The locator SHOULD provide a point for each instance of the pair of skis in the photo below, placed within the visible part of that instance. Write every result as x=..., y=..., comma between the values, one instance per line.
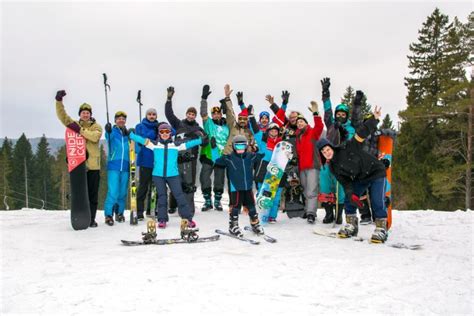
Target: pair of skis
x=398, y=245
x=252, y=241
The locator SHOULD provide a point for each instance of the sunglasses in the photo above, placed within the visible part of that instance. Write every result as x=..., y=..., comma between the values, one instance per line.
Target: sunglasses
x=164, y=131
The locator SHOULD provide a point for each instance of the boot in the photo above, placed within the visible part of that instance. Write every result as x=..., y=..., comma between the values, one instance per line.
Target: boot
x=256, y=227
x=329, y=218
x=234, y=228
x=340, y=209
x=310, y=218
x=109, y=220
x=119, y=218
x=351, y=228
x=380, y=234
x=207, y=200
x=217, y=200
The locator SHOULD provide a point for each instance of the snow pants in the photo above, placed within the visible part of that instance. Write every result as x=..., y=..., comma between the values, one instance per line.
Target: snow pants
x=309, y=179
x=187, y=174
x=93, y=180
x=117, y=186
x=176, y=189
x=376, y=189
x=206, y=181
x=145, y=178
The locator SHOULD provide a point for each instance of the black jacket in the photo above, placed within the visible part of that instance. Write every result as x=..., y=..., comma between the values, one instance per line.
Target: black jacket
x=351, y=163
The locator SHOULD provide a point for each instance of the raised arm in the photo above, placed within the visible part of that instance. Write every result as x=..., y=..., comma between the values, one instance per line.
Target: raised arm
x=203, y=111
x=230, y=114
x=60, y=111
x=170, y=116
x=328, y=115
x=318, y=122
x=356, y=113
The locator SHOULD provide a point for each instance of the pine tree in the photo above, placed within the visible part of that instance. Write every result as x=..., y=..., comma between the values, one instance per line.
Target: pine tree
x=348, y=97
x=61, y=176
x=21, y=183
x=436, y=90
x=387, y=123
x=43, y=187
x=5, y=167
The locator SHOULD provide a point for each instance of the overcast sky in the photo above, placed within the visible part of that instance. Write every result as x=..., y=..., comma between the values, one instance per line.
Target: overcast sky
x=257, y=47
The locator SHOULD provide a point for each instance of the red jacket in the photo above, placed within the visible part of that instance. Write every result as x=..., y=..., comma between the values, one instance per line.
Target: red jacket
x=305, y=144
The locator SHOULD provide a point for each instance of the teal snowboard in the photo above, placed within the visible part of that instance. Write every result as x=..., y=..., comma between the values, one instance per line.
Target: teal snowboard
x=275, y=169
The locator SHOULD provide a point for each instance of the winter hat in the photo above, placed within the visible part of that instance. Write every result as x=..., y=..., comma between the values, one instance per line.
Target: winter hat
x=164, y=126
x=273, y=126
x=85, y=107
x=320, y=144
x=244, y=113
x=151, y=110
x=342, y=107
x=120, y=114
x=191, y=109
x=301, y=117
x=264, y=113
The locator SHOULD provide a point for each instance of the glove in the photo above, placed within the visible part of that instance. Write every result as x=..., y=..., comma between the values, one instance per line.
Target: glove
x=60, y=95
x=213, y=142
x=205, y=92
x=285, y=96
x=314, y=108
x=356, y=201
x=250, y=110
x=170, y=91
x=240, y=97
x=358, y=97
x=204, y=140
x=325, y=83
x=108, y=128
x=223, y=106
x=386, y=162
x=75, y=127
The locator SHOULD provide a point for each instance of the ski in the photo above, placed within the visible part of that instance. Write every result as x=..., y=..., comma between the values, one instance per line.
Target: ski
x=253, y=242
x=169, y=241
x=133, y=186
x=265, y=236
x=398, y=245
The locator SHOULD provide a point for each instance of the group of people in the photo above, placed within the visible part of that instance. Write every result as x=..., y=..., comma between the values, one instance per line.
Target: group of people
x=337, y=171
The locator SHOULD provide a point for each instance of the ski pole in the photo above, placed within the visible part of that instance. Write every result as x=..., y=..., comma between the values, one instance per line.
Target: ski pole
x=337, y=205
x=106, y=85
x=139, y=100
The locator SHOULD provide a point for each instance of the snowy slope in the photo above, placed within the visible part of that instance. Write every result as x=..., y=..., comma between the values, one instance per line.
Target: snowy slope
x=47, y=268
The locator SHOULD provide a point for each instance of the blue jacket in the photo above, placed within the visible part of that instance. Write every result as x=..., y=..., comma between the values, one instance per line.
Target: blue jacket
x=166, y=154
x=239, y=169
x=119, y=153
x=145, y=129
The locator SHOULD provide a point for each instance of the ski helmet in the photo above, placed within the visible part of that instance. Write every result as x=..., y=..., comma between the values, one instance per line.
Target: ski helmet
x=239, y=142
x=273, y=126
x=342, y=107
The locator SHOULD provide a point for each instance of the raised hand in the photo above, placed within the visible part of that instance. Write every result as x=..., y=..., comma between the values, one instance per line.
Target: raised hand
x=240, y=97
x=60, y=95
x=325, y=84
x=227, y=90
x=314, y=107
x=377, y=112
x=269, y=99
x=170, y=94
x=205, y=92
x=358, y=97
x=285, y=96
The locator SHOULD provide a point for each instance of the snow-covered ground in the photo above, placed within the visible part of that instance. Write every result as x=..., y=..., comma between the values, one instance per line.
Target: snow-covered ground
x=47, y=268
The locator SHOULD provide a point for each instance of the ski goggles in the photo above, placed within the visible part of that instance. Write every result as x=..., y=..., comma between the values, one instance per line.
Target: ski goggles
x=164, y=131
x=240, y=146
x=216, y=109
x=121, y=114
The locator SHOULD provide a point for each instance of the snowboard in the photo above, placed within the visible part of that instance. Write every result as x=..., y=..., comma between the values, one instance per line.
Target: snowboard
x=170, y=241
x=253, y=242
x=385, y=147
x=133, y=185
x=282, y=153
x=76, y=162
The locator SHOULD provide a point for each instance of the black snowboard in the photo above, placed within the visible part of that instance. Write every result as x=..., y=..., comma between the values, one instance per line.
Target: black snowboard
x=79, y=197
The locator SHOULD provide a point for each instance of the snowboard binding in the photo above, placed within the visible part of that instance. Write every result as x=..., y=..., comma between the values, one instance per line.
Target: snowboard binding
x=188, y=233
x=150, y=236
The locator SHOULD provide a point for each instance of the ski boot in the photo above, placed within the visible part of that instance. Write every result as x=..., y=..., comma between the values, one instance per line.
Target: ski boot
x=380, y=234
x=172, y=210
x=93, y=224
x=119, y=218
x=329, y=218
x=109, y=220
x=340, y=208
x=188, y=233
x=310, y=218
x=234, y=228
x=217, y=201
x=256, y=227
x=140, y=216
x=351, y=228
x=207, y=200
x=150, y=236
x=272, y=220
